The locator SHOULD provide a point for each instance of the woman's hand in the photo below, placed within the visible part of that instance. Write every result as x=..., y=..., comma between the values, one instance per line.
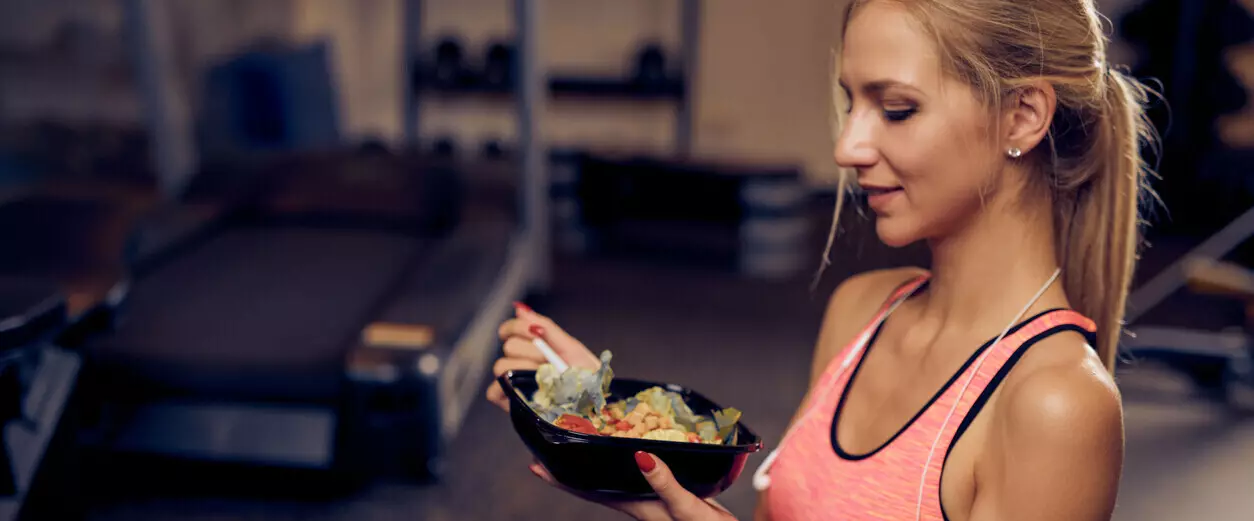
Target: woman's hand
x=673, y=503
x=521, y=354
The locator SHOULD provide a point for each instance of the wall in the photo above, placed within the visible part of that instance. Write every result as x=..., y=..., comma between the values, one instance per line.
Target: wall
x=761, y=87
x=762, y=90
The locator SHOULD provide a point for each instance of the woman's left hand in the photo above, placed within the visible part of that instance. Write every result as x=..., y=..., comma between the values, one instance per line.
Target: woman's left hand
x=673, y=503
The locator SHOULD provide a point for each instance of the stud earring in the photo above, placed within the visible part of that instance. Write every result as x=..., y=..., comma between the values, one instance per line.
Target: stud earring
x=1014, y=152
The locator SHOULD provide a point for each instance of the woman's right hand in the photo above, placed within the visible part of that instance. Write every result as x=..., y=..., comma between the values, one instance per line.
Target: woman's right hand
x=521, y=354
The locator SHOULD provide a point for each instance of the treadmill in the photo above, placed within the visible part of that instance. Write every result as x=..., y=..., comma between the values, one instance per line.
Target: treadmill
x=37, y=380
x=271, y=338
x=302, y=329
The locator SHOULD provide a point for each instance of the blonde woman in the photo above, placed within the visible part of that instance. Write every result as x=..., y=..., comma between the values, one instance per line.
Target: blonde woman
x=980, y=390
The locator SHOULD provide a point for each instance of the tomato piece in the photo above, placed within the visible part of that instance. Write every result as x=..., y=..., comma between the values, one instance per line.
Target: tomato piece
x=622, y=425
x=571, y=422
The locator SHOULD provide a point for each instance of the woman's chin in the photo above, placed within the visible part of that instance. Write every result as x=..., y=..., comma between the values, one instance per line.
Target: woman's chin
x=893, y=234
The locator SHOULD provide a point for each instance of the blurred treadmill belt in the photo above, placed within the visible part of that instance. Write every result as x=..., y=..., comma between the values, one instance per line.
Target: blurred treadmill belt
x=452, y=282
x=258, y=313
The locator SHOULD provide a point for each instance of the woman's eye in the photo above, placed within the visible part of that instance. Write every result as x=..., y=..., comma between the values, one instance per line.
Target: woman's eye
x=899, y=114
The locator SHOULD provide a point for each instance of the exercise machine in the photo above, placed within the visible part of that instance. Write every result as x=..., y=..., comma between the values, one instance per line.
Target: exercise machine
x=323, y=318
x=37, y=379
x=1228, y=352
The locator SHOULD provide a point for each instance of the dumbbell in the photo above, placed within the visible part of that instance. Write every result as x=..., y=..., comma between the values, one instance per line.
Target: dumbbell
x=650, y=65
x=449, y=63
x=493, y=149
x=444, y=147
x=498, y=69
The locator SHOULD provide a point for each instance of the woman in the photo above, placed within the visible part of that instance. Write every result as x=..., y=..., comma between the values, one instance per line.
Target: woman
x=994, y=131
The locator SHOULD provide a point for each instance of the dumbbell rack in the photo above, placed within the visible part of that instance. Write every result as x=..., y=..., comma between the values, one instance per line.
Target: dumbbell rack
x=690, y=12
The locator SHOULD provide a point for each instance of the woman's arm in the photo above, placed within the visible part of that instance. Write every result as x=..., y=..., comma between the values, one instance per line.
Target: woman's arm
x=852, y=305
x=1056, y=442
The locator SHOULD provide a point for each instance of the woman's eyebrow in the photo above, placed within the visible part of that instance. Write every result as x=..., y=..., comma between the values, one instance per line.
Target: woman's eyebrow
x=879, y=86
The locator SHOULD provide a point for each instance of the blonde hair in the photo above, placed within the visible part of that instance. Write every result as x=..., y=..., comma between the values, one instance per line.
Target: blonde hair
x=1092, y=162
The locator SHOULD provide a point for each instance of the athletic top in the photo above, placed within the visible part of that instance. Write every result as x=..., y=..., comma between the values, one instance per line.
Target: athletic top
x=814, y=478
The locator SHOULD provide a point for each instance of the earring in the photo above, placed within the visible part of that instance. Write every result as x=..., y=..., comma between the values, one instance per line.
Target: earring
x=1014, y=152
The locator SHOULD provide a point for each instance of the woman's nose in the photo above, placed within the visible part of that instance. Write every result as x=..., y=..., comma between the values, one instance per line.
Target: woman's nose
x=855, y=147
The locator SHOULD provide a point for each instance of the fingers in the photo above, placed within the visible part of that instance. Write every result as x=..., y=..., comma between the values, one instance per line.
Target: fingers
x=640, y=510
x=515, y=327
x=683, y=505
x=513, y=364
x=527, y=325
x=496, y=395
x=542, y=473
x=522, y=349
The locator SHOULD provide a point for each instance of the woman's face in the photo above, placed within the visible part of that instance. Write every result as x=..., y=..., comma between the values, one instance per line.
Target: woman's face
x=918, y=139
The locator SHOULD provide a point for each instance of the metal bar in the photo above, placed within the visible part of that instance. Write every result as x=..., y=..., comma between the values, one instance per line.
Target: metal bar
x=531, y=96
x=1187, y=341
x=1172, y=278
x=462, y=381
x=690, y=37
x=412, y=47
x=165, y=105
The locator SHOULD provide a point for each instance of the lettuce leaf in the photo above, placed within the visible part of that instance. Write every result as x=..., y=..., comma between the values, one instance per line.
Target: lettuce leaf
x=684, y=416
x=576, y=390
x=707, y=430
x=726, y=421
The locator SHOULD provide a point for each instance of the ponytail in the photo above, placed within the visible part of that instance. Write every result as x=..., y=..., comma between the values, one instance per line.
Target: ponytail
x=1099, y=222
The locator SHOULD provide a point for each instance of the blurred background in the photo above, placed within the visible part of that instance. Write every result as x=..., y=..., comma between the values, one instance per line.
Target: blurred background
x=254, y=253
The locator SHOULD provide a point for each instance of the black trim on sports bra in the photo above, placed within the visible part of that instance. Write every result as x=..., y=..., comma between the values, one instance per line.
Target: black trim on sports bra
x=993, y=384
x=842, y=453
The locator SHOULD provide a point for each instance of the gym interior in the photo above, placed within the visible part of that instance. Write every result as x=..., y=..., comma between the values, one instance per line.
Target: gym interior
x=255, y=254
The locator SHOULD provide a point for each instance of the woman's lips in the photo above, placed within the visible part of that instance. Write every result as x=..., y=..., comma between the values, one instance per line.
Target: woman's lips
x=879, y=198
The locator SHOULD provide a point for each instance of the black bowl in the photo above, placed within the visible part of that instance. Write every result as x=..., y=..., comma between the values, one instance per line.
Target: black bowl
x=605, y=466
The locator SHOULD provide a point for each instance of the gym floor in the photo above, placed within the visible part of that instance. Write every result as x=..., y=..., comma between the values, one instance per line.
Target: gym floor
x=748, y=343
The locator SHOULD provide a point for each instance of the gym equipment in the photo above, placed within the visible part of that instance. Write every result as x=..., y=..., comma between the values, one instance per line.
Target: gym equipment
x=36, y=381
x=1181, y=45
x=78, y=241
x=262, y=325
x=748, y=218
x=493, y=150
x=180, y=381
x=1230, y=351
x=651, y=66
x=499, y=65
x=270, y=100
x=673, y=88
x=449, y=71
x=445, y=147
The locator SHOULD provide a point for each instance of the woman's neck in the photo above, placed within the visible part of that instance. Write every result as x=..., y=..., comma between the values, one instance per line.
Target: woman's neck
x=984, y=275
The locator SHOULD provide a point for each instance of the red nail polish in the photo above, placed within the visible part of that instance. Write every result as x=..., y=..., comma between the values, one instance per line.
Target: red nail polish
x=645, y=462
x=536, y=330
x=519, y=306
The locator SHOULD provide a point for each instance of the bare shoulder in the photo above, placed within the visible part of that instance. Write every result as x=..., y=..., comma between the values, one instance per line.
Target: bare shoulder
x=1061, y=399
x=1057, y=440
x=852, y=305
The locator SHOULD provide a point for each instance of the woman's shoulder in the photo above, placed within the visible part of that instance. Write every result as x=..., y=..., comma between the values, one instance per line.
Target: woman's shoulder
x=1061, y=404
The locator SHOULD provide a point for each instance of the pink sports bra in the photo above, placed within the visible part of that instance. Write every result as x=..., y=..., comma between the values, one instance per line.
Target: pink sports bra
x=814, y=478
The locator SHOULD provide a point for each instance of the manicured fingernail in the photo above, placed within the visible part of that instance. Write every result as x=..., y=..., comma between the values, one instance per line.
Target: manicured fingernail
x=645, y=462
x=536, y=330
x=521, y=308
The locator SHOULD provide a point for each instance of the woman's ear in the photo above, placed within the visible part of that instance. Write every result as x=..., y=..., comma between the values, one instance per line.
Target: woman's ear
x=1028, y=116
